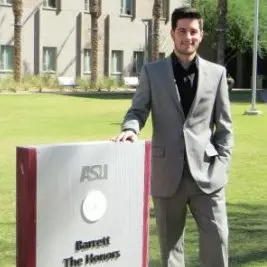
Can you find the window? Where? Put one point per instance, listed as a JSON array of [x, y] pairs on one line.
[[116, 61], [49, 59], [50, 3], [127, 7], [6, 57], [138, 61], [6, 2], [86, 5], [87, 61]]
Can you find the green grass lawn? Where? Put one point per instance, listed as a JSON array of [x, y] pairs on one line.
[[43, 119]]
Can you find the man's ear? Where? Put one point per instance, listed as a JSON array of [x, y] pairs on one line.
[[202, 35], [172, 34]]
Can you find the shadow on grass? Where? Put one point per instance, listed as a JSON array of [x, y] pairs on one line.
[[247, 240], [248, 232], [244, 97], [102, 95], [154, 263], [235, 96]]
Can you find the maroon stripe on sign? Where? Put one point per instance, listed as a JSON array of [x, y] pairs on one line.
[[146, 203], [26, 207]]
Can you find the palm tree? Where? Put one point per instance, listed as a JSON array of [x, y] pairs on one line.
[[156, 24], [17, 10], [95, 11], [222, 21]]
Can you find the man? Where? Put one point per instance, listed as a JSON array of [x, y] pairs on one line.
[[191, 144]]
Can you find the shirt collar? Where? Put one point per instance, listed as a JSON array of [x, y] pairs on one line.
[[176, 61]]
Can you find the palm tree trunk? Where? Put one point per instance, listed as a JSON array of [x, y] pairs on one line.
[[156, 26], [95, 14], [222, 21], [17, 10]]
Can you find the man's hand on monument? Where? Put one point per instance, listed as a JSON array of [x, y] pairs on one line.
[[127, 135]]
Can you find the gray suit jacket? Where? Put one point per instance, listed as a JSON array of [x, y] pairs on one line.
[[205, 136]]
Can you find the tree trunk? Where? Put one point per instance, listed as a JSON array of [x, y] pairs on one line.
[[95, 14], [17, 10], [155, 33], [221, 29]]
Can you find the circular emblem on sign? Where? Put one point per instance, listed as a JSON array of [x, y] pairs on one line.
[[94, 206]]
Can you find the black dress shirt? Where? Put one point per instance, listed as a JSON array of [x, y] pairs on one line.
[[186, 81]]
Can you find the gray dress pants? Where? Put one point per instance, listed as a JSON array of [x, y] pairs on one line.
[[209, 212]]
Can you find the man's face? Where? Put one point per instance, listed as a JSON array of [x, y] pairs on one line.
[[187, 36]]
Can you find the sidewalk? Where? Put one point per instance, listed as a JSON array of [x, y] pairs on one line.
[[68, 91]]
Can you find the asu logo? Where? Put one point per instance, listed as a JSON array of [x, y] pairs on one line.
[[94, 172]]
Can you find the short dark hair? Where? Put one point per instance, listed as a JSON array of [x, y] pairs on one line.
[[186, 13]]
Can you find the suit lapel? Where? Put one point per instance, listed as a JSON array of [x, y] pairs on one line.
[[202, 82], [172, 86]]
